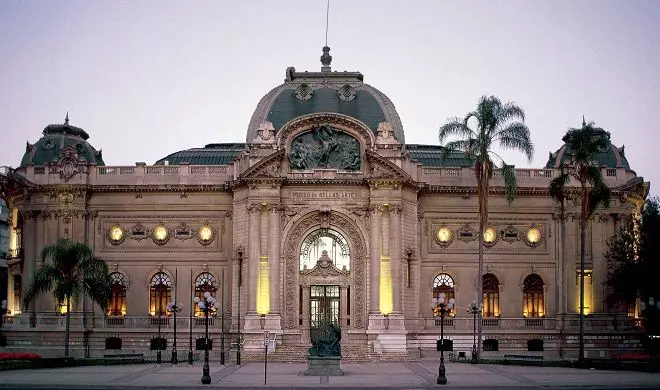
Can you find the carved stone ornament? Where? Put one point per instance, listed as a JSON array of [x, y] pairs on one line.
[[324, 267], [183, 232], [265, 134], [325, 147], [115, 235], [138, 232], [67, 165], [385, 134], [490, 237], [346, 93], [304, 92], [268, 167], [291, 249], [160, 235], [466, 233], [510, 234]]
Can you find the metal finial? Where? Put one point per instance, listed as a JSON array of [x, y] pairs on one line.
[[326, 59], [584, 123], [66, 120], [327, 17]]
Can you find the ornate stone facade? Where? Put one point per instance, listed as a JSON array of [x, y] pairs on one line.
[[405, 222]]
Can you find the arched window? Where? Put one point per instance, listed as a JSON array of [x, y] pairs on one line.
[[160, 293], [491, 296], [117, 305], [203, 283], [533, 305], [443, 283], [328, 240]]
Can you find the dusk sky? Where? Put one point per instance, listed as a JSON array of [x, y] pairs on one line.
[[148, 78]]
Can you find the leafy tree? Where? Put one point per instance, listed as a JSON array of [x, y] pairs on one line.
[[633, 257], [582, 146], [73, 271], [492, 123]]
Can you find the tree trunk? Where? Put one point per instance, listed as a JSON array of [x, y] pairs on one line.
[[68, 326], [482, 191], [583, 222]]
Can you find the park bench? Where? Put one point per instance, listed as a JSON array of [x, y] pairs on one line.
[[124, 357]]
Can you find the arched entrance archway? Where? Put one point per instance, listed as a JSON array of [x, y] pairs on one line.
[[292, 245]]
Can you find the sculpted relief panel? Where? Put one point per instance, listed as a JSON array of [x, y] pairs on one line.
[[325, 147]]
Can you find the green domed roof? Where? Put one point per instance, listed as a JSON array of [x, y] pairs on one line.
[[304, 93], [57, 137], [211, 154], [609, 157]]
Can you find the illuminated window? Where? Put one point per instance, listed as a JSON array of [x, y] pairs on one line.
[[18, 293], [443, 283], [533, 304], [205, 282], [160, 293], [491, 296], [117, 306], [328, 240]]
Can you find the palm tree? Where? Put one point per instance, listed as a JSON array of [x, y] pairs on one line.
[[73, 271], [494, 124], [582, 145]]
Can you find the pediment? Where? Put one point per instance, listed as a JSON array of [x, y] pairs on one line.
[[268, 167], [382, 168], [324, 268]]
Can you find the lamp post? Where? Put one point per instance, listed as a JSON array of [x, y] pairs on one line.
[[473, 308], [3, 310], [206, 305], [440, 308], [160, 339], [174, 308], [240, 281]]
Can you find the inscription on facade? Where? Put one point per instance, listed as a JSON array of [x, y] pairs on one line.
[[302, 195]]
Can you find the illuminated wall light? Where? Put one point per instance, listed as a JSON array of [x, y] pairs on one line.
[[385, 285], [263, 286], [588, 292]]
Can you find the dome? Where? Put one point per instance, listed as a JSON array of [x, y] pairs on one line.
[[609, 157], [57, 137], [304, 93]]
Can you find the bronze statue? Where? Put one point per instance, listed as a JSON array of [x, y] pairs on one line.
[[325, 340]]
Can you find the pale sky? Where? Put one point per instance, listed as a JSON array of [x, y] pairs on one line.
[[148, 78]]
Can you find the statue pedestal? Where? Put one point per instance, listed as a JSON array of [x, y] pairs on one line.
[[323, 366], [390, 333]]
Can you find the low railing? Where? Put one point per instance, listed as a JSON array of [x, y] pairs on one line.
[[466, 324], [58, 322]]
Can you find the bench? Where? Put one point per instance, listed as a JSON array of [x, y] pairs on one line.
[[523, 358], [124, 357]]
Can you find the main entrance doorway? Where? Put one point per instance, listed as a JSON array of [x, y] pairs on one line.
[[324, 305]]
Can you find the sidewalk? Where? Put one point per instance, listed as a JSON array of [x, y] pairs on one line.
[[418, 375]]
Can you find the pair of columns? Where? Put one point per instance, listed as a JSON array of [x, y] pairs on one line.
[[263, 255], [386, 282]]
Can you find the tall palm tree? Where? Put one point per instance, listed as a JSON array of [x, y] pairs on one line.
[[492, 123], [73, 271], [582, 146]]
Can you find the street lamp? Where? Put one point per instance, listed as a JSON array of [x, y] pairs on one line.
[[240, 282], [174, 308], [206, 305], [160, 339], [473, 308], [440, 308], [3, 310]]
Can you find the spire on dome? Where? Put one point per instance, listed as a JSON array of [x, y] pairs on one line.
[[326, 59], [66, 120]]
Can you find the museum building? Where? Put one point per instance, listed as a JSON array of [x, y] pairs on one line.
[[323, 214]]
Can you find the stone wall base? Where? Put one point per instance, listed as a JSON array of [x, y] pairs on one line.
[[323, 366]]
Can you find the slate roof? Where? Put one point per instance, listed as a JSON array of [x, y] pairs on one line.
[[431, 156], [211, 154], [55, 138]]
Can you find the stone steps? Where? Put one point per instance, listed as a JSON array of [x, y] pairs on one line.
[[350, 354]]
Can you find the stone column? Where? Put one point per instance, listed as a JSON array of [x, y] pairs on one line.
[[29, 253], [599, 268], [305, 314], [395, 253], [374, 259], [274, 258], [254, 211], [343, 307]]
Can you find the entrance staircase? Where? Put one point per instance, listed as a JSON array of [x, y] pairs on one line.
[[293, 353]]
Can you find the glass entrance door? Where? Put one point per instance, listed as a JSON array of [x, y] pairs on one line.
[[324, 305]]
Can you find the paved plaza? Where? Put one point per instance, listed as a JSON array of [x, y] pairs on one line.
[[417, 375]]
